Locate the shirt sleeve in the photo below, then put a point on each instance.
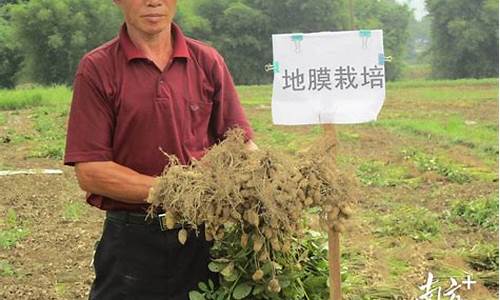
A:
(91, 119)
(227, 112)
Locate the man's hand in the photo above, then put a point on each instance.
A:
(250, 145)
(114, 181)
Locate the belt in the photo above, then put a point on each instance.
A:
(139, 219)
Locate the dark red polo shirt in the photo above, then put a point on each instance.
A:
(125, 109)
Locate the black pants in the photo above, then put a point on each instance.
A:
(142, 262)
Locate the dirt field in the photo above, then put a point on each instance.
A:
(433, 148)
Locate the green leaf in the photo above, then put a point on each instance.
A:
(258, 289)
(216, 267)
(242, 290)
(232, 277)
(267, 268)
(228, 270)
(195, 295)
(211, 284)
(284, 281)
(203, 287)
(316, 282)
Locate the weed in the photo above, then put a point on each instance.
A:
(483, 257)
(61, 289)
(376, 173)
(6, 268)
(489, 280)
(50, 109)
(416, 222)
(346, 136)
(443, 272)
(50, 125)
(73, 210)
(428, 163)
(398, 267)
(480, 212)
(13, 230)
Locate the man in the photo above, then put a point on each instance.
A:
(149, 88)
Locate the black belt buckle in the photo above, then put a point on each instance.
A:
(163, 220)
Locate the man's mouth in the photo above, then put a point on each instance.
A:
(153, 17)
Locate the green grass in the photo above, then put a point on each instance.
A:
(379, 174)
(443, 272)
(6, 268)
(269, 136)
(480, 212)
(355, 261)
(417, 223)
(483, 257)
(398, 267)
(429, 163)
(379, 292)
(11, 230)
(282, 137)
(74, 210)
(453, 130)
(61, 290)
(49, 124)
(254, 95)
(456, 95)
(346, 136)
(33, 97)
(404, 84)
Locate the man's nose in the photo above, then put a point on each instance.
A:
(154, 3)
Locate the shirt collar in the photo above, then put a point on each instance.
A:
(180, 48)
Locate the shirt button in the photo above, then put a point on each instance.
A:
(161, 81)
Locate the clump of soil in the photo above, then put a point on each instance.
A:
(264, 193)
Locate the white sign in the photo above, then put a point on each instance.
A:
(328, 77)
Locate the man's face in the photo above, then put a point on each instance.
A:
(148, 16)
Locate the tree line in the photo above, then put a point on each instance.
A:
(42, 41)
(464, 38)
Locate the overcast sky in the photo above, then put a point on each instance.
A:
(418, 5)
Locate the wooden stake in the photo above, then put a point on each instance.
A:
(334, 264)
(333, 237)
